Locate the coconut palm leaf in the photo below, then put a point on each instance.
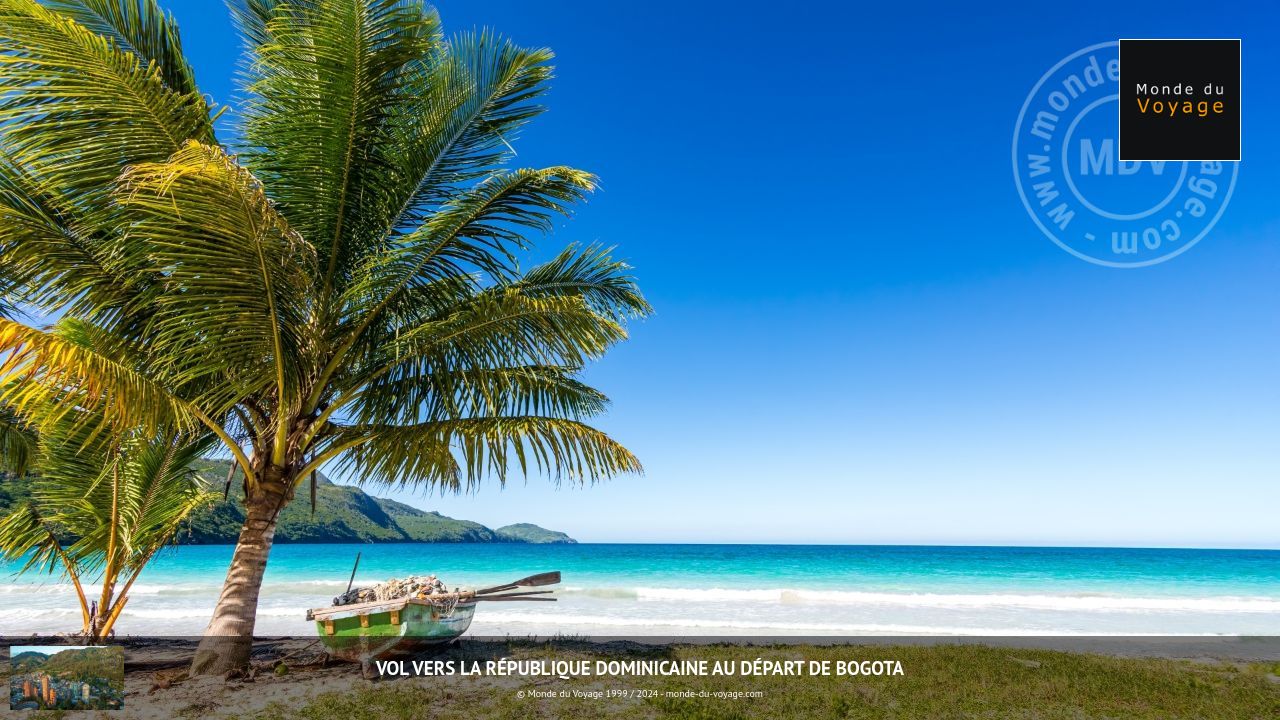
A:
(50, 375)
(75, 107)
(492, 330)
(458, 454)
(17, 442)
(478, 229)
(204, 223)
(17, 439)
(102, 506)
(27, 538)
(488, 93)
(324, 88)
(140, 27)
(52, 258)
(138, 487)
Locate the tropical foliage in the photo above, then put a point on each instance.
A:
(101, 507)
(341, 284)
(17, 442)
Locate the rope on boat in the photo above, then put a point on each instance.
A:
(413, 586)
(447, 605)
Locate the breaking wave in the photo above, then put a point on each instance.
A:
(1074, 603)
(541, 622)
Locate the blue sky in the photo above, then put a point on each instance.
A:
(861, 337)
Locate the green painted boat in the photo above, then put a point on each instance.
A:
(362, 632)
(366, 631)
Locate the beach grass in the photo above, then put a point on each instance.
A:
(941, 681)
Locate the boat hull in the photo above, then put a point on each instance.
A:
(391, 629)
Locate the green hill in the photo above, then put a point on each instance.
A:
(88, 664)
(434, 527)
(81, 664)
(530, 533)
(28, 661)
(343, 514)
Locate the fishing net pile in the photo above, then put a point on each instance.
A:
(414, 586)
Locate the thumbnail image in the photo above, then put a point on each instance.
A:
(48, 677)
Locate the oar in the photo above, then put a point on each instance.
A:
(515, 594)
(353, 572)
(514, 598)
(547, 578)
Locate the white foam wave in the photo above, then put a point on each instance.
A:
(30, 613)
(170, 613)
(544, 623)
(1087, 603)
(204, 612)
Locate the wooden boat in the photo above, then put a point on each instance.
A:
(398, 627)
(362, 632)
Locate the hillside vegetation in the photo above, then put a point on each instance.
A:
(82, 664)
(343, 514)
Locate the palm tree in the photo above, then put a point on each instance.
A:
(102, 507)
(342, 284)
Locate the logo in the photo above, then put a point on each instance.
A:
(1180, 100)
(1069, 175)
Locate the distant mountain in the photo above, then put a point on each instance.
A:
(346, 514)
(79, 663)
(87, 664)
(28, 661)
(530, 533)
(343, 514)
(434, 527)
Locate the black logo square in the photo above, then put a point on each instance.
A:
(1179, 100)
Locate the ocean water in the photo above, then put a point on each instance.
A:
(726, 589)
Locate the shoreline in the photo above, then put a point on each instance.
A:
(745, 544)
(727, 590)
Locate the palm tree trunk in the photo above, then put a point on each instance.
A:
(109, 572)
(75, 581)
(123, 597)
(229, 637)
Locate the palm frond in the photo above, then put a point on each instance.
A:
(124, 494)
(27, 538)
(456, 454)
(140, 27)
(473, 102)
(154, 487)
(476, 231)
(206, 224)
(75, 108)
(592, 274)
(45, 257)
(251, 18)
(494, 329)
(17, 442)
(51, 374)
(324, 80)
(446, 393)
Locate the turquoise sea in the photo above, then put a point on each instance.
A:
(728, 589)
